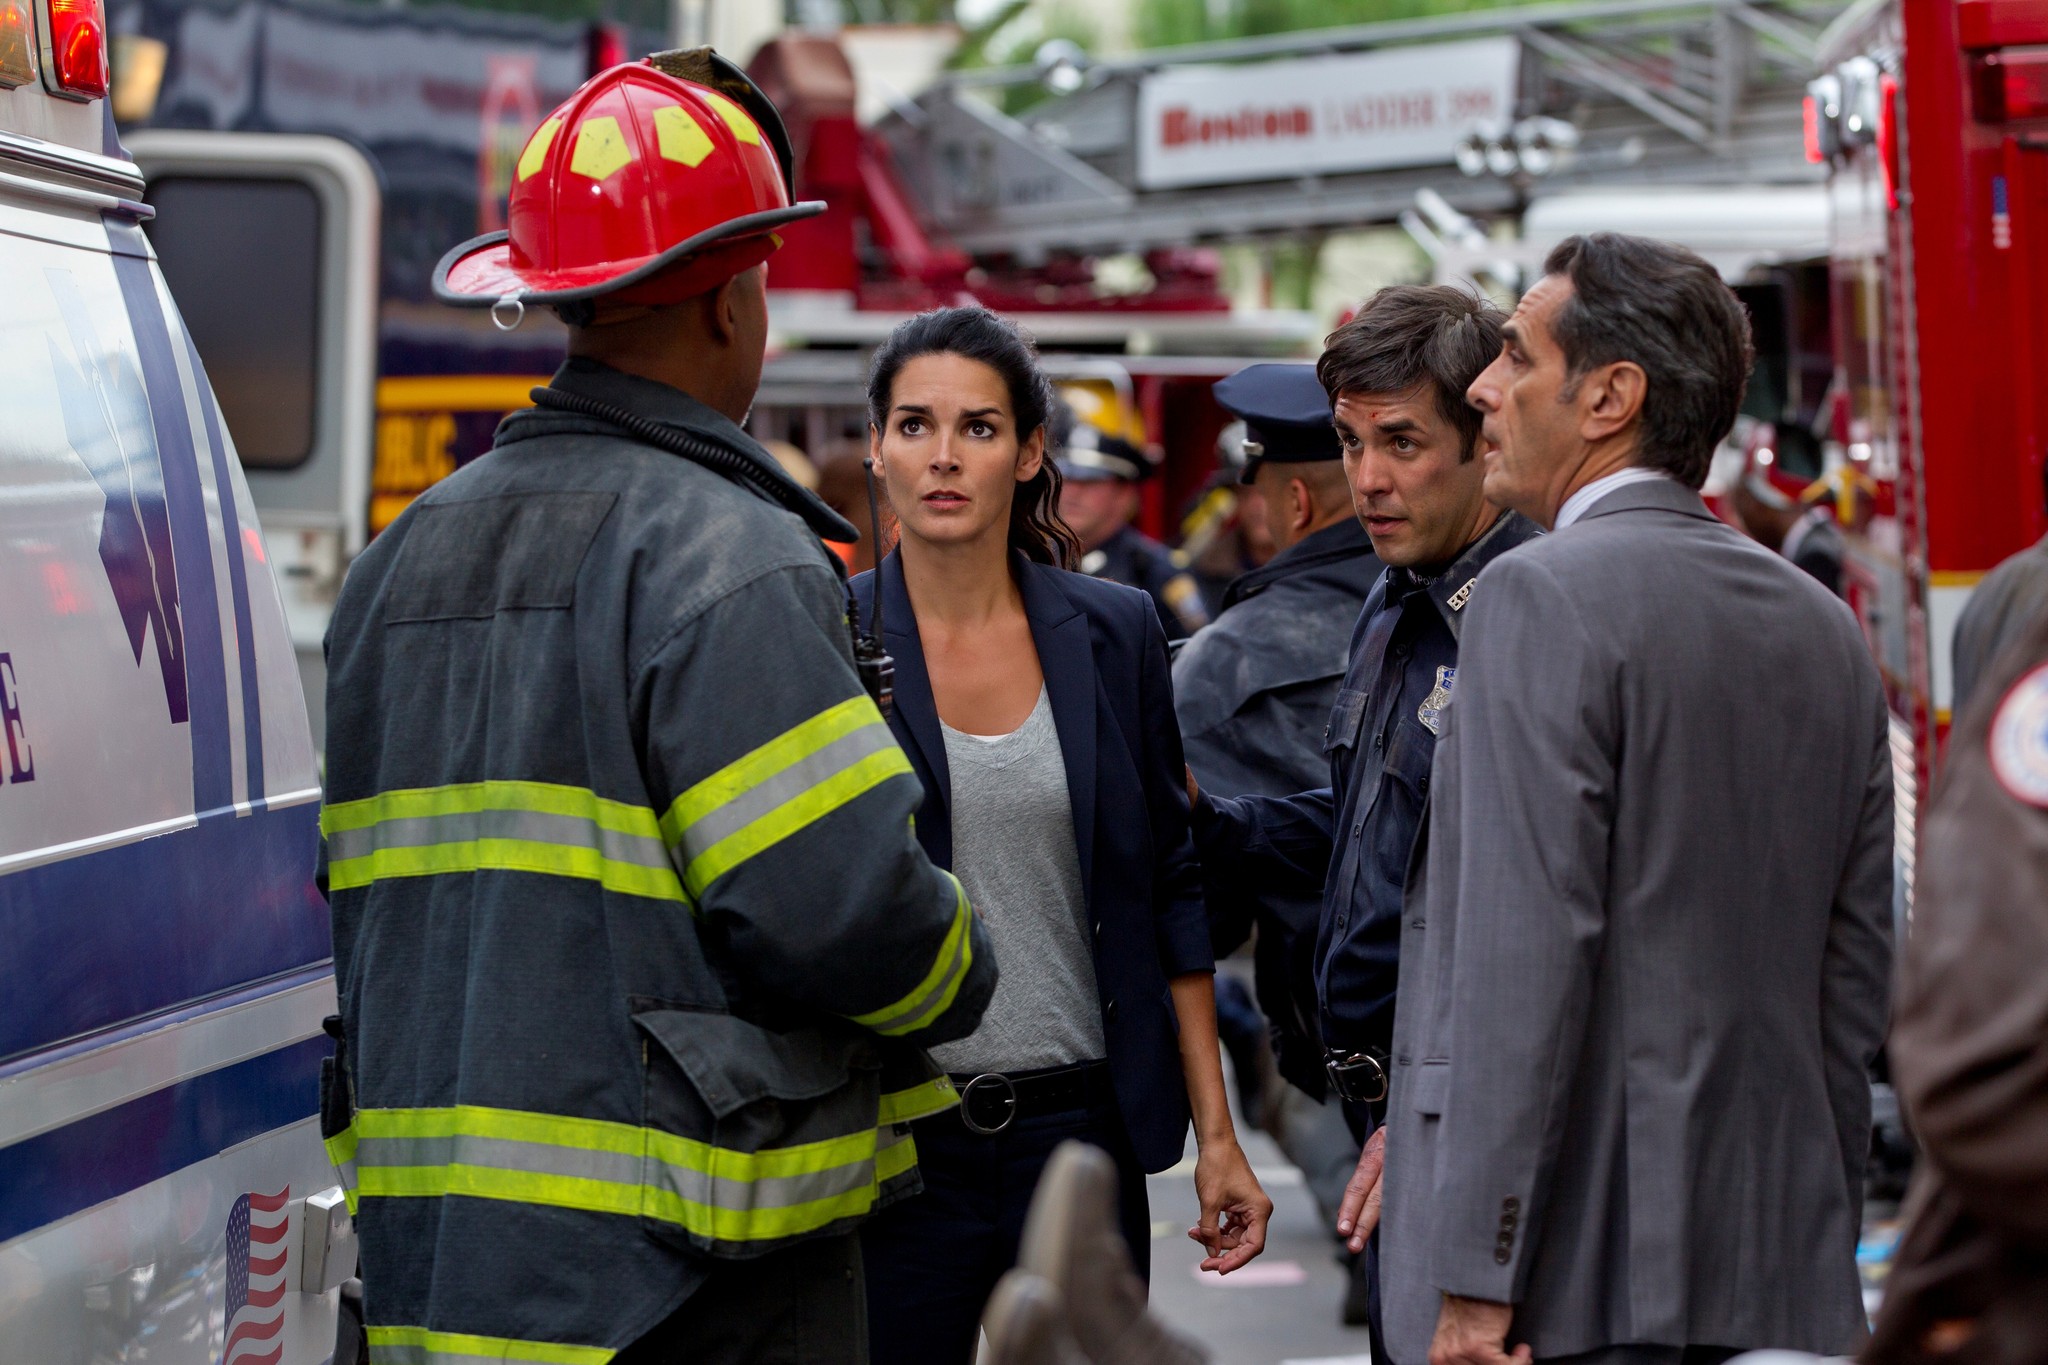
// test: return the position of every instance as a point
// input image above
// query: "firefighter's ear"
(734, 306)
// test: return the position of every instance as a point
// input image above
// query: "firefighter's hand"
(1194, 787)
(1235, 1209)
(1358, 1213)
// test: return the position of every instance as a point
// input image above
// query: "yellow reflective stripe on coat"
(934, 995)
(598, 1166)
(418, 1346)
(341, 1150)
(501, 826)
(934, 1096)
(761, 798)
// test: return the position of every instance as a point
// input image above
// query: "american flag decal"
(256, 1267)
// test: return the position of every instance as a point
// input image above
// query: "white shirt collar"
(1581, 502)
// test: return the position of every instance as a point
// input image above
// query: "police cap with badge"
(1286, 415)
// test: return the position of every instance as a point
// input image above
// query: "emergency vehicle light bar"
(2010, 85)
(74, 45)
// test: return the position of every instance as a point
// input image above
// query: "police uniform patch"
(2019, 739)
(1431, 712)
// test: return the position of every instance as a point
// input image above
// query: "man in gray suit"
(1645, 957)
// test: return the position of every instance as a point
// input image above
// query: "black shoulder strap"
(741, 468)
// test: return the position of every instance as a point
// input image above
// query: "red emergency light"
(1888, 137)
(17, 44)
(75, 49)
(604, 47)
(2010, 85)
(1809, 110)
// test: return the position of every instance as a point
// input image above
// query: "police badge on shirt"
(1431, 712)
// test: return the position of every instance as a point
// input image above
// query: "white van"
(164, 952)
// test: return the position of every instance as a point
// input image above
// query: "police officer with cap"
(634, 945)
(1099, 476)
(1254, 689)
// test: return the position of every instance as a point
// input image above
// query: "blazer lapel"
(914, 702)
(1066, 655)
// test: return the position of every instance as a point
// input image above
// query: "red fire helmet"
(656, 181)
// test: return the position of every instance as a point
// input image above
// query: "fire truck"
(310, 160)
(1932, 118)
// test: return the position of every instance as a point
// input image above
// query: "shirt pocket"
(1347, 717)
(1404, 788)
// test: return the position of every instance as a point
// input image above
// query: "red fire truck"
(1934, 117)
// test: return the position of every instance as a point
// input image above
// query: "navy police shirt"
(1137, 561)
(1352, 839)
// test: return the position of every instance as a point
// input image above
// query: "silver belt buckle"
(1340, 1069)
(992, 1079)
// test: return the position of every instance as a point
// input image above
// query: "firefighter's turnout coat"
(634, 942)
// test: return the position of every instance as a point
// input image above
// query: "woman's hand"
(1235, 1210)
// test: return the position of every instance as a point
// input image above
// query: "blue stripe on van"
(56, 1174)
(98, 940)
(185, 503)
(238, 575)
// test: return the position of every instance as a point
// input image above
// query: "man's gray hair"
(1663, 308)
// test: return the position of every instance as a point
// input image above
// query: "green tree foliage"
(1172, 23)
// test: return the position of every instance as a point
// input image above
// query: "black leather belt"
(1358, 1075)
(994, 1100)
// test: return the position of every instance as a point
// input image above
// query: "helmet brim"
(480, 273)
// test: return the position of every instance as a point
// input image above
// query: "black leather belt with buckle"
(1358, 1076)
(993, 1101)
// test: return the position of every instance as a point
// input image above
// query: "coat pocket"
(756, 1139)
(1429, 1085)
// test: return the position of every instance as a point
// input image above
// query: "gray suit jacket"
(1648, 942)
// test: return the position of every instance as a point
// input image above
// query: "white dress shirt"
(1581, 502)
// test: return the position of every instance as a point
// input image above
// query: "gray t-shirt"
(1013, 849)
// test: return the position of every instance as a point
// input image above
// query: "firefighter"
(634, 943)
(1790, 515)
(1100, 473)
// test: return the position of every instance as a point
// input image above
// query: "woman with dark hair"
(1036, 706)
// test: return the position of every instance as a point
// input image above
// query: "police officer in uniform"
(1099, 476)
(1396, 375)
(633, 941)
(1254, 688)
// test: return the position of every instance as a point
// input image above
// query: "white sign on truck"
(1363, 111)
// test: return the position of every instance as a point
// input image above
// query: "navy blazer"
(1104, 659)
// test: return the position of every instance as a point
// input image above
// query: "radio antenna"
(871, 656)
(867, 464)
